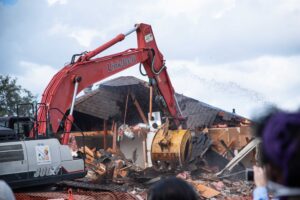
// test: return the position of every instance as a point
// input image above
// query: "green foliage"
(11, 95)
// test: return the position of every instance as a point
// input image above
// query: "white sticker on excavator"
(43, 155)
(148, 37)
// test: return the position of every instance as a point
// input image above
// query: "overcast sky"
(230, 54)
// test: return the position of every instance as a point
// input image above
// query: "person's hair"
(172, 188)
(280, 148)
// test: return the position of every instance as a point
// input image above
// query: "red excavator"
(67, 83)
(84, 70)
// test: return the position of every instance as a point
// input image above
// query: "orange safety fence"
(74, 195)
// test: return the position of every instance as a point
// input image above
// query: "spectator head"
(280, 134)
(172, 188)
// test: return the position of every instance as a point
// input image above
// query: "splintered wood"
(91, 155)
(107, 164)
(233, 137)
(205, 191)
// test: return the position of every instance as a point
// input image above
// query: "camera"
(249, 175)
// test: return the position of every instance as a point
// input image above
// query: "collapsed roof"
(108, 101)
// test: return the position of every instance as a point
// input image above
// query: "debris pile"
(209, 186)
(111, 172)
(107, 165)
(111, 167)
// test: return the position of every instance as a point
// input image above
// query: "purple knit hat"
(279, 143)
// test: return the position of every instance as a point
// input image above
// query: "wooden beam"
(90, 133)
(126, 106)
(139, 109)
(105, 134)
(115, 137)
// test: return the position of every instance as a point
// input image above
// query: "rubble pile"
(107, 165)
(209, 186)
(110, 173)
(220, 142)
(223, 189)
(111, 167)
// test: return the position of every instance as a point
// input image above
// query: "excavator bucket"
(171, 148)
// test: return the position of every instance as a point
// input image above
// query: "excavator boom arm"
(87, 70)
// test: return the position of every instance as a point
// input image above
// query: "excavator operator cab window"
(3, 124)
(24, 129)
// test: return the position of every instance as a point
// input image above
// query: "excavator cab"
(27, 161)
(20, 125)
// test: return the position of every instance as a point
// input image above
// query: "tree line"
(12, 95)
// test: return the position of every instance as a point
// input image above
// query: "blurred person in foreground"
(280, 155)
(6, 192)
(172, 189)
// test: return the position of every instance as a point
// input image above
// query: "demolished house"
(112, 131)
(121, 145)
(123, 102)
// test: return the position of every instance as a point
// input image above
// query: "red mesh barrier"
(76, 195)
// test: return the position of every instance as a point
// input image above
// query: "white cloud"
(35, 77)
(83, 36)
(53, 2)
(288, 6)
(194, 11)
(246, 85)
(58, 28)
(227, 6)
